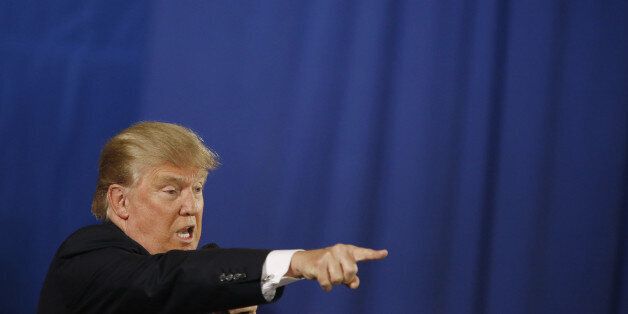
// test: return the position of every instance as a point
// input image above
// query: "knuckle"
(325, 284)
(321, 263)
(353, 268)
(326, 257)
(350, 273)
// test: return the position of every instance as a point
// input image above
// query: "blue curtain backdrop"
(484, 143)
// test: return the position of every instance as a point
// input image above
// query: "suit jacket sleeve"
(116, 275)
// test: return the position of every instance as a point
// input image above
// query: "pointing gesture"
(333, 265)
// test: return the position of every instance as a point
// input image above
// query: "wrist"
(294, 269)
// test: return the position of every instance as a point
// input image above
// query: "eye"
(170, 191)
(198, 189)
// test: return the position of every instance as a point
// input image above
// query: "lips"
(186, 234)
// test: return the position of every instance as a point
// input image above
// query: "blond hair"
(147, 144)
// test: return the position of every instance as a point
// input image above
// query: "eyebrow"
(170, 179)
(167, 178)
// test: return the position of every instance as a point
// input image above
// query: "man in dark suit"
(142, 258)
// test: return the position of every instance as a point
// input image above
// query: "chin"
(187, 246)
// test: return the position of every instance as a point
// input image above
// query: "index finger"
(244, 310)
(365, 254)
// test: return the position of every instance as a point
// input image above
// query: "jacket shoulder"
(96, 237)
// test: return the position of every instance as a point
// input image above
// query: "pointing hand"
(333, 265)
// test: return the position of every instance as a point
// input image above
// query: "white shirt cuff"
(274, 270)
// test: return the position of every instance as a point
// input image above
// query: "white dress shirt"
(274, 271)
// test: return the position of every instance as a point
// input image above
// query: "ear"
(118, 201)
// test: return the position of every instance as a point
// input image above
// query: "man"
(143, 257)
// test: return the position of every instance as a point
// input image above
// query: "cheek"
(199, 221)
(155, 216)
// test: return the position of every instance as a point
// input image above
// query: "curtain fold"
(484, 143)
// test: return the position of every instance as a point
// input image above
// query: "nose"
(189, 203)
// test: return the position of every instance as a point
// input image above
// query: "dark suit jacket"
(99, 269)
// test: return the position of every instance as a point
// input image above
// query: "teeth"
(183, 234)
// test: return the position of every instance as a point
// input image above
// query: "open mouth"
(186, 233)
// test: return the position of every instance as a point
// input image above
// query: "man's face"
(166, 208)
